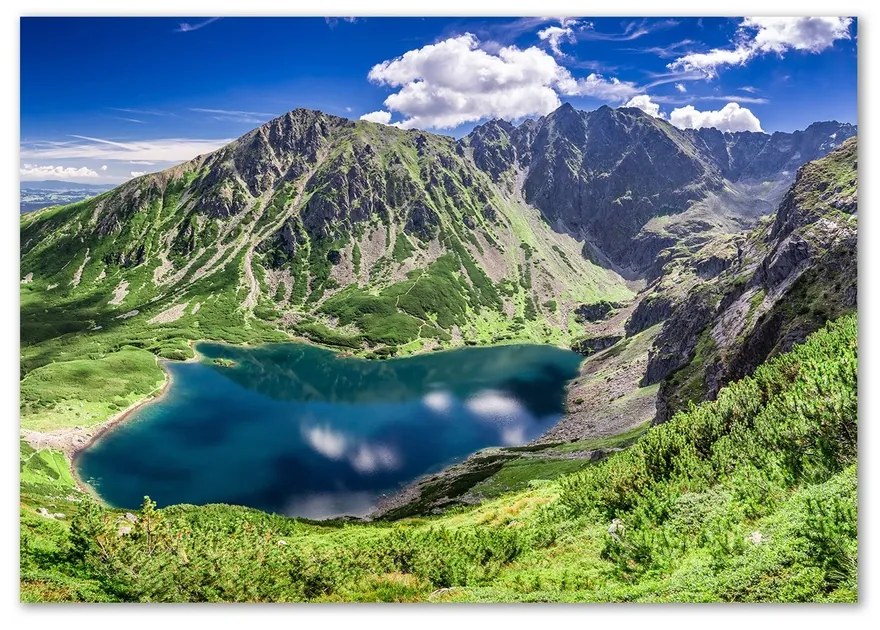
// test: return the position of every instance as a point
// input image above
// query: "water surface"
(300, 430)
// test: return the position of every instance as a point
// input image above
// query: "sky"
(107, 99)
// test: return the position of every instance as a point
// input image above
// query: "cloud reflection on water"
(439, 402)
(326, 441)
(364, 456)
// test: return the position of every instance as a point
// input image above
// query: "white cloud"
(556, 35)
(35, 171)
(138, 173)
(598, 86)
(103, 167)
(708, 62)
(735, 98)
(146, 112)
(731, 117)
(156, 150)
(813, 34)
(455, 81)
(632, 30)
(644, 103)
(380, 117)
(326, 441)
(185, 27)
(333, 22)
(681, 87)
(760, 35)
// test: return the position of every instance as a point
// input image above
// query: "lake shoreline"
(73, 441)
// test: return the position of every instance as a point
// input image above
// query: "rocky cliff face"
(780, 282)
(749, 155)
(631, 185)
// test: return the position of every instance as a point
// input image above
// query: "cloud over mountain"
(378, 117)
(731, 117)
(644, 103)
(455, 81)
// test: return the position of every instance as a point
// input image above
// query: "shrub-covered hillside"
(751, 497)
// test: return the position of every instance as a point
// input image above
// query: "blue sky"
(105, 98)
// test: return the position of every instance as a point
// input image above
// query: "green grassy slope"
(375, 240)
(751, 497)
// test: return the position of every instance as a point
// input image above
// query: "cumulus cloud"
(812, 34)
(380, 117)
(597, 86)
(761, 35)
(681, 87)
(103, 167)
(138, 173)
(731, 117)
(708, 62)
(455, 81)
(36, 171)
(644, 103)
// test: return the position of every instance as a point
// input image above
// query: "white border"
(612, 616)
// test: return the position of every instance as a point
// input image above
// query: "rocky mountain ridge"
(631, 185)
(352, 234)
(744, 298)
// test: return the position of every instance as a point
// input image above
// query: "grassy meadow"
(751, 497)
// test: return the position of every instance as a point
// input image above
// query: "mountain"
(710, 319)
(630, 185)
(370, 237)
(748, 155)
(708, 447)
(348, 233)
(751, 296)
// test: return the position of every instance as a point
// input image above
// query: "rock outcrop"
(609, 175)
(789, 276)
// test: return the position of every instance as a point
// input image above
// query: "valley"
(690, 269)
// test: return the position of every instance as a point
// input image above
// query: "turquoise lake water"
(302, 431)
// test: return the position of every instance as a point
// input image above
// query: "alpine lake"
(302, 431)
